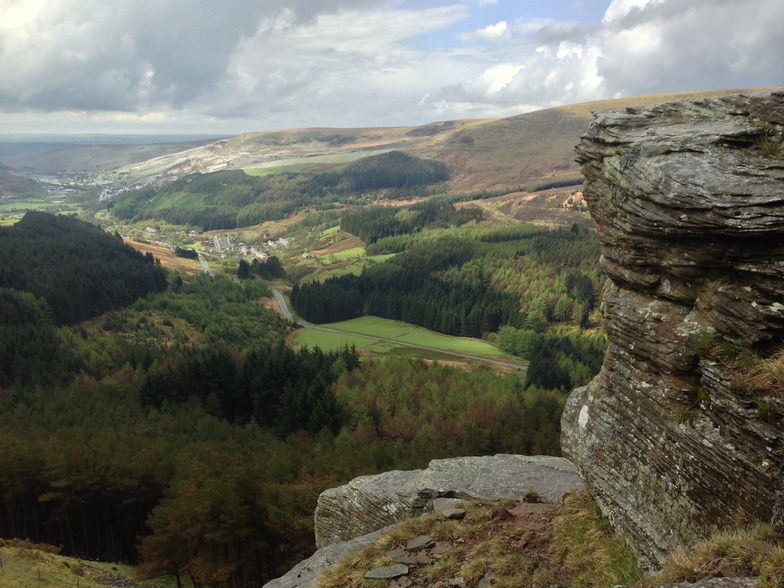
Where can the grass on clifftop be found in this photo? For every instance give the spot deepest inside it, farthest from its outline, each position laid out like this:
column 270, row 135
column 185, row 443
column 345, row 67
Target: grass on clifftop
column 750, row 551
column 520, row 545
column 517, row 544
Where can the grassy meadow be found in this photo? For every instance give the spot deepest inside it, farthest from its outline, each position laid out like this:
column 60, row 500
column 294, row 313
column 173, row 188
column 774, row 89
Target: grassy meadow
column 378, row 335
column 24, row 564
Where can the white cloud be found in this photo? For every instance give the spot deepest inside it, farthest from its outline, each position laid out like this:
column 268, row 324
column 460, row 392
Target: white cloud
column 618, row 9
column 494, row 32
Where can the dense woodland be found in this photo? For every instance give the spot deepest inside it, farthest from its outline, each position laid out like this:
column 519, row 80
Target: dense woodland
column 374, row 222
column 230, row 199
column 181, row 433
column 78, row 269
column 513, row 284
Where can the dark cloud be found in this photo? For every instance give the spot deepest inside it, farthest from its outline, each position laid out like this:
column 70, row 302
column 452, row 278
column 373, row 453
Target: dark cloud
column 126, row 55
column 554, row 33
column 677, row 45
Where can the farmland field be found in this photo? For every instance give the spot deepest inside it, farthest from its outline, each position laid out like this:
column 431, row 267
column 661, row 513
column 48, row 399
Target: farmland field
column 167, row 257
column 392, row 331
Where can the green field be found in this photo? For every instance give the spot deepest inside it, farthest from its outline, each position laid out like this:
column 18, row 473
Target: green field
column 13, row 209
column 353, row 253
column 381, row 258
column 336, row 341
column 329, row 231
column 24, row 565
column 392, row 331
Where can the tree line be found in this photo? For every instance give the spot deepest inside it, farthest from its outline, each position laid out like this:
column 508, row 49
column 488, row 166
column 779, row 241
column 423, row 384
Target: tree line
column 410, row 288
column 559, row 360
column 281, row 389
column 269, row 269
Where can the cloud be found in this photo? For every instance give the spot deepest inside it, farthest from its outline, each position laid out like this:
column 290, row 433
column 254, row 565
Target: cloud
column 618, row 9
column 126, row 55
column 246, row 65
column 494, row 32
column 641, row 47
column 674, row 45
column 336, row 66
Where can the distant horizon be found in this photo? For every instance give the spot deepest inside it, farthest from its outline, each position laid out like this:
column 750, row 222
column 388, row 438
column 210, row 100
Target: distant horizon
column 144, row 135
column 13, row 137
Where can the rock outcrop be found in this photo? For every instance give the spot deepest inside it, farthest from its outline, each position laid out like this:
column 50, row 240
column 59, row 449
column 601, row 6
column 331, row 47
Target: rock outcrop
column 369, row 503
column 306, row 572
column 689, row 202
column 357, row 514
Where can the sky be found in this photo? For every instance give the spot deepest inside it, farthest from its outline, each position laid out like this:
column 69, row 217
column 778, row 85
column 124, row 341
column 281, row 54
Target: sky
column 234, row 66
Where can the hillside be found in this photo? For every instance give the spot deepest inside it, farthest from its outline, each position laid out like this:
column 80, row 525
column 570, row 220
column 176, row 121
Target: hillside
column 80, row 270
column 25, row 564
column 54, row 155
column 482, row 154
column 14, row 183
column 191, row 431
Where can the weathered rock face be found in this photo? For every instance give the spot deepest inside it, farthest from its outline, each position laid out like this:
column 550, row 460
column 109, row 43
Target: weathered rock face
column 369, row 503
column 689, row 200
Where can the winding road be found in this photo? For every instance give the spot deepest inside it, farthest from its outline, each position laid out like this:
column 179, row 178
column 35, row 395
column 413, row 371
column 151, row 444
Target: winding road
column 287, row 313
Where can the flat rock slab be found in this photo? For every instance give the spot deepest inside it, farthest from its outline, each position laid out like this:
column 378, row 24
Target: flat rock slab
column 442, row 504
column 419, row 543
column 368, row 503
column 306, row 572
column 454, row 513
column 387, row 572
column 399, row 556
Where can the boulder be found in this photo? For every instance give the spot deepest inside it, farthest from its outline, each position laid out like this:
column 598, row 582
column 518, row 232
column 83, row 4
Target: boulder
column 399, row 495
column 306, row 572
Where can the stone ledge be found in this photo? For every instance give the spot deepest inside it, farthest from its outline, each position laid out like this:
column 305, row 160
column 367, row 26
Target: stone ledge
column 368, row 503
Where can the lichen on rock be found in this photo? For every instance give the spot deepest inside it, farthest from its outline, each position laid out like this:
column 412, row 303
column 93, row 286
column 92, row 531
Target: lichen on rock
column 689, row 203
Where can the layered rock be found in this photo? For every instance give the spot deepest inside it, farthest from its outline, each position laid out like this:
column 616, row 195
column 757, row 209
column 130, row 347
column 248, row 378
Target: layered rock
column 689, row 201
column 369, row 503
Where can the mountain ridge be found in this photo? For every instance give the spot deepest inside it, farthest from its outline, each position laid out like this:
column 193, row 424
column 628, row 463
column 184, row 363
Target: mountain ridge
column 482, row 154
